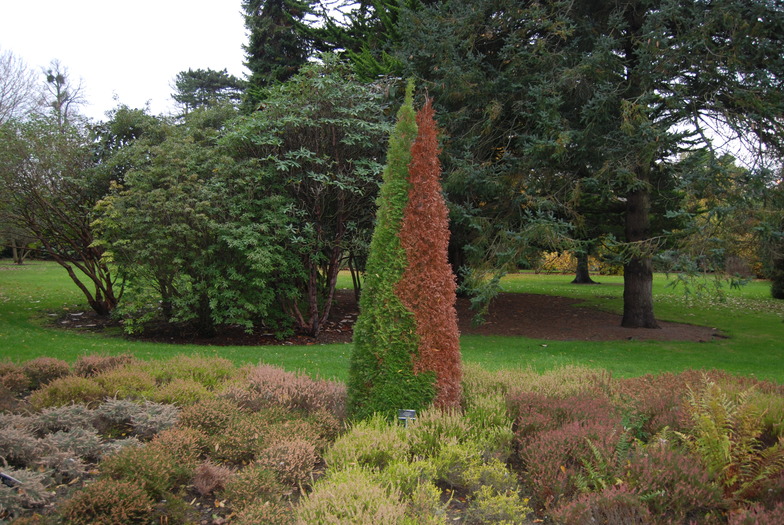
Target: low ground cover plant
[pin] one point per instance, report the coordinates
(263, 445)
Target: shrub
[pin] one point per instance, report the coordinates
(157, 470)
(405, 476)
(31, 493)
(65, 418)
(491, 506)
(759, 515)
(241, 440)
(207, 371)
(108, 502)
(209, 478)
(181, 392)
(13, 378)
(254, 482)
(612, 505)
(424, 505)
(461, 466)
(43, 370)
(266, 512)
(211, 415)
(350, 497)
(122, 416)
(535, 412)
(63, 465)
(292, 461)
(127, 382)
(372, 443)
(185, 444)
(81, 442)
(18, 446)
(673, 484)
(93, 365)
(434, 427)
(67, 390)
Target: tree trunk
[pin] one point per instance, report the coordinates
(582, 275)
(638, 271)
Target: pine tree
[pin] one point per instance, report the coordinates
(427, 287)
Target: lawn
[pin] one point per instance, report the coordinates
(34, 295)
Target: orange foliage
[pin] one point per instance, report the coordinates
(427, 287)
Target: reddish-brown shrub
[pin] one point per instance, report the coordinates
(251, 484)
(759, 515)
(240, 441)
(673, 484)
(186, 444)
(209, 478)
(13, 378)
(534, 412)
(92, 365)
(291, 460)
(552, 460)
(108, 502)
(211, 415)
(42, 370)
(427, 287)
(614, 505)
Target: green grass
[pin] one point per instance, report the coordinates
(30, 295)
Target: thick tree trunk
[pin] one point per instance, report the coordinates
(638, 272)
(582, 274)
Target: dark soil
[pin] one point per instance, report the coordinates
(511, 314)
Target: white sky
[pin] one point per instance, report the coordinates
(129, 49)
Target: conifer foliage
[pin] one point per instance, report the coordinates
(406, 352)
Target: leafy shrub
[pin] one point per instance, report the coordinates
(254, 482)
(67, 390)
(207, 371)
(612, 505)
(350, 497)
(84, 443)
(31, 493)
(43, 370)
(181, 392)
(157, 470)
(65, 418)
(93, 365)
(108, 502)
(210, 415)
(267, 512)
(372, 443)
(491, 506)
(551, 460)
(292, 461)
(672, 484)
(127, 382)
(209, 478)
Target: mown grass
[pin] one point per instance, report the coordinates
(33, 295)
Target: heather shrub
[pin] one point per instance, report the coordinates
(267, 512)
(18, 446)
(62, 466)
(31, 493)
(210, 415)
(551, 460)
(292, 461)
(462, 467)
(8, 400)
(67, 390)
(424, 505)
(672, 484)
(186, 444)
(157, 470)
(153, 418)
(113, 417)
(433, 427)
(612, 505)
(350, 497)
(108, 502)
(13, 378)
(84, 443)
(759, 515)
(43, 370)
(241, 440)
(93, 365)
(181, 392)
(144, 420)
(652, 403)
(490, 506)
(253, 483)
(535, 412)
(65, 418)
(209, 478)
(272, 386)
(372, 443)
(405, 476)
(127, 382)
(207, 371)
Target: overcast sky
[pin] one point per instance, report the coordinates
(131, 50)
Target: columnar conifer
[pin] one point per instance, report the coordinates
(406, 352)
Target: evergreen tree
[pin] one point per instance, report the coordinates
(205, 87)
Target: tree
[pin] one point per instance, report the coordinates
(62, 94)
(206, 87)
(612, 89)
(46, 167)
(277, 42)
(20, 92)
(317, 139)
